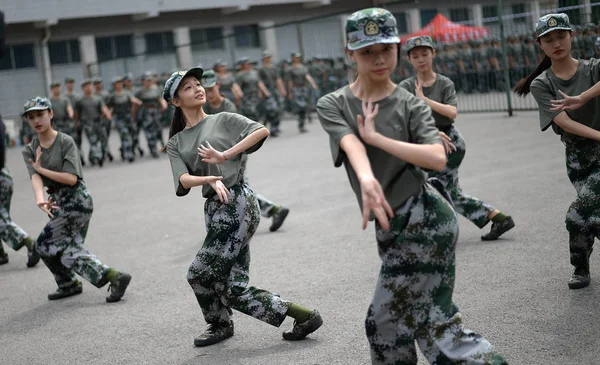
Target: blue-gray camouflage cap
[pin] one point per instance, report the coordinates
(148, 76)
(173, 82)
(36, 103)
(54, 84)
(69, 79)
(85, 82)
(266, 54)
(97, 80)
(420, 41)
(117, 79)
(551, 22)
(371, 26)
(220, 63)
(209, 79)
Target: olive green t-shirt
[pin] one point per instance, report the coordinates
(297, 75)
(268, 75)
(226, 106)
(441, 91)
(402, 116)
(222, 131)
(226, 81)
(62, 156)
(149, 97)
(59, 107)
(248, 81)
(121, 104)
(89, 108)
(545, 88)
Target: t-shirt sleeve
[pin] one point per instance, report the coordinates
(595, 69)
(27, 153)
(407, 85)
(77, 107)
(71, 161)
(449, 93)
(229, 106)
(335, 125)
(241, 127)
(178, 168)
(421, 123)
(541, 93)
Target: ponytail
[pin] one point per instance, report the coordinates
(177, 125)
(522, 87)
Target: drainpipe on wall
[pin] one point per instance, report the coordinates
(46, 69)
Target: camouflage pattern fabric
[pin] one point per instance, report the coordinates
(413, 296)
(583, 169)
(469, 207)
(149, 121)
(371, 26)
(551, 22)
(300, 103)
(94, 130)
(60, 244)
(10, 232)
(105, 137)
(126, 130)
(26, 133)
(67, 127)
(271, 109)
(266, 206)
(220, 272)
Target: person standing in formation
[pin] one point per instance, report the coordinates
(270, 105)
(437, 91)
(73, 99)
(63, 111)
(229, 87)
(298, 80)
(121, 104)
(106, 122)
(148, 114)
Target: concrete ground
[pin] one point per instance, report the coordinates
(513, 291)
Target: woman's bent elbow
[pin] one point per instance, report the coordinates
(439, 162)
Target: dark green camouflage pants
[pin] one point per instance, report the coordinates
(469, 207)
(60, 244)
(271, 109)
(413, 297)
(105, 137)
(300, 103)
(95, 130)
(10, 232)
(149, 121)
(125, 127)
(219, 274)
(583, 216)
(249, 106)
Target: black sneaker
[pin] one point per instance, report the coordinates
(117, 289)
(579, 279)
(301, 330)
(110, 156)
(33, 257)
(140, 151)
(215, 333)
(74, 289)
(4, 259)
(498, 229)
(279, 218)
(303, 130)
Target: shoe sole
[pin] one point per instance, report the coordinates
(511, 226)
(67, 296)
(284, 215)
(198, 343)
(578, 285)
(313, 328)
(127, 280)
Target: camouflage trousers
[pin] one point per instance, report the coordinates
(271, 109)
(95, 130)
(105, 137)
(219, 274)
(149, 122)
(413, 297)
(300, 103)
(60, 244)
(469, 207)
(10, 232)
(583, 215)
(126, 128)
(249, 106)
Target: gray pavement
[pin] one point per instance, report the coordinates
(513, 291)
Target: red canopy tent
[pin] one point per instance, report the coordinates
(443, 30)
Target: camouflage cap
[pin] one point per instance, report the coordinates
(54, 84)
(172, 83)
(421, 41)
(117, 79)
(551, 22)
(371, 26)
(296, 55)
(86, 81)
(209, 79)
(128, 77)
(148, 76)
(36, 103)
(266, 54)
(220, 63)
(242, 61)
(97, 80)
(69, 79)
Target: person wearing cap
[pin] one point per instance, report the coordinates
(438, 93)
(589, 41)
(341, 72)
(384, 147)
(577, 121)
(252, 87)
(271, 108)
(63, 111)
(89, 113)
(466, 67)
(148, 114)
(479, 63)
(216, 103)
(298, 79)
(11, 233)
(105, 137)
(121, 104)
(206, 150)
(228, 86)
(73, 98)
(530, 58)
(53, 163)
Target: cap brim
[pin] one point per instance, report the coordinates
(35, 108)
(197, 72)
(369, 42)
(208, 86)
(408, 49)
(554, 29)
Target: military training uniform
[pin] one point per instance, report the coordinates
(148, 117)
(298, 91)
(121, 112)
(89, 110)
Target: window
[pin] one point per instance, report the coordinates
(574, 14)
(62, 52)
(157, 43)
(519, 9)
(459, 14)
(401, 21)
(490, 11)
(246, 36)
(110, 48)
(427, 15)
(206, 39)
(18, 56)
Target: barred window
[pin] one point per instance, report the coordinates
(18, 56)
(111, 48)
(207, 39)
(459, 14)
(427, 15)
(401, 22)
(158, 43)
(246, 36)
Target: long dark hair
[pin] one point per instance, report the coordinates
(522, 87)
(177, 125)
